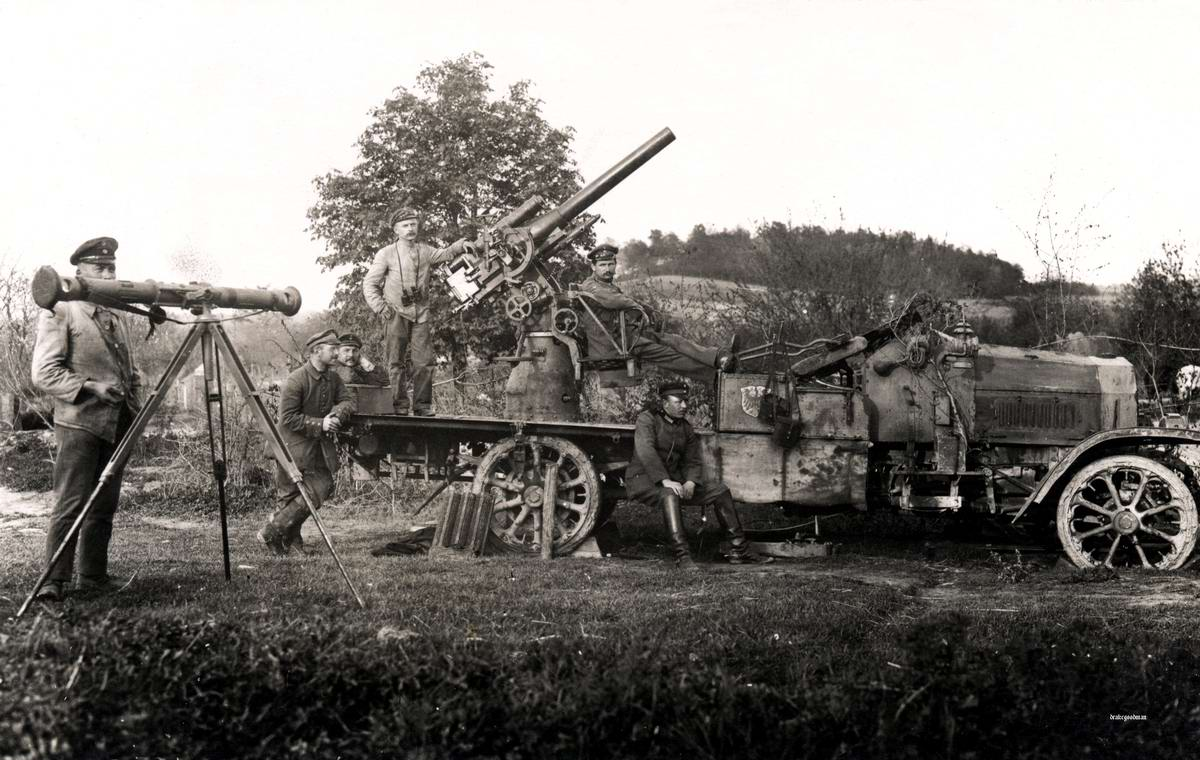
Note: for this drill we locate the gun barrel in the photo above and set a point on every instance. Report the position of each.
(593, 191)
(49, 288)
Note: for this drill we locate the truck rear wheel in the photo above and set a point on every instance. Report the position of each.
(1127, 511)
(514, 472)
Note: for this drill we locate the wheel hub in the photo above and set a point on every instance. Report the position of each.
(1126, 522)
(533, 495)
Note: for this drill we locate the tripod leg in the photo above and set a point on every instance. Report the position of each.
(121, 454)
(282, 456)
(212, 392)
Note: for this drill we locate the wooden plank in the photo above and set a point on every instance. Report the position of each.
(549, 504)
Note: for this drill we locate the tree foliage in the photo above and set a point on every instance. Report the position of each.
(1161, 309)
(461, 155)
(820, 256)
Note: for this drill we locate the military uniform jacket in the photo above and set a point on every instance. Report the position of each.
(404, 265)
(307, 396)
(77, 342)
(611, 302)
(663, 449)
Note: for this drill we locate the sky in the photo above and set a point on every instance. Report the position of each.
(192, 131)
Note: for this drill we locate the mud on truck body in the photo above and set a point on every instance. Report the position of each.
(906, 417)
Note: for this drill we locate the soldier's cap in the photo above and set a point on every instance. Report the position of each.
(672, 388)
(604, 252)
(350, 339)
(401, 214)
(96, 249)
(320, 339)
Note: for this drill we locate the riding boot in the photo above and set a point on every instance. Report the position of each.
(673, 519)
(740, 552)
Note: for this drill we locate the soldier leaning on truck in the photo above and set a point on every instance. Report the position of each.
(666, 470)
(673, 353)
(356, 369)
(397, 288)
(313, 405)
(81, 358)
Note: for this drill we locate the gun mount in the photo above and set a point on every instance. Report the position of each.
(508, 260)
(509, 254)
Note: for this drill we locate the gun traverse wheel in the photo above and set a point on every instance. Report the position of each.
(513, 471)
(566, 321)
(1127, 511)
(518, 307)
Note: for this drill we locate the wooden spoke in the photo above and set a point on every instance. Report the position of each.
(1095, 531)
(1112, 550)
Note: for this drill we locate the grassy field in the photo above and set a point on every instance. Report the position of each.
(897, 646)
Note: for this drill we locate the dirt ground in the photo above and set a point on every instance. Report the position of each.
(944, 574)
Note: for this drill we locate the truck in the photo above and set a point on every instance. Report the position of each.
(914, 415)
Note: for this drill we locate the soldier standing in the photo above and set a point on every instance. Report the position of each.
(313, 405)
(81, 358)
(666, 470)
(673, 353)
(397, 288)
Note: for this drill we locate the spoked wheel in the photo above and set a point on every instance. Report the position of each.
(514, 472)
(1127, 511)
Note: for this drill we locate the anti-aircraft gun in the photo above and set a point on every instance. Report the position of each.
(509, 262)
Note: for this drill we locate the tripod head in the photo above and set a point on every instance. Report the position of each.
(49, 288)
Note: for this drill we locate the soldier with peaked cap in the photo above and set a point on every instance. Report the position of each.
(673, 353)
(82, 358)
(397, 288)
(666, 470)
(313, 405)
(356, 369)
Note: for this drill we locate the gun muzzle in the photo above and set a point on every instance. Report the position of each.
(49, 288)
(579, 202)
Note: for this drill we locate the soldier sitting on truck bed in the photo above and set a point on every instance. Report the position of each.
(673, 353)
(666, 470)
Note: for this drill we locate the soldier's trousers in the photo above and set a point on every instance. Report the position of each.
(676, 354)
(706, 494)
(80, 459)
(405, 336)
(292, 510)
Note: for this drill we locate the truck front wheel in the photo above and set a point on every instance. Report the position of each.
(1127, 511)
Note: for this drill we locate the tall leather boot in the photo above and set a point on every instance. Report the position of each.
(673, 519)
(740, 552)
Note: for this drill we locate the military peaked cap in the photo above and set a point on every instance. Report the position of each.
(401, 214)
(350, 339)
(96, 249)
(604, 252)
(672, 388)
(320, 339)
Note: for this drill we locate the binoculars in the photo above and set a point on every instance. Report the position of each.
(412, 296)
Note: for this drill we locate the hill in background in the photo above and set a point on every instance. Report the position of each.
(826, 258)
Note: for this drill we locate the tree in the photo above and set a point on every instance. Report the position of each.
(462, 156)
(18, 326)
(1160, 310)
(1059, 304)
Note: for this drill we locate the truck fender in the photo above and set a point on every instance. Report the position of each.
(1097, 446)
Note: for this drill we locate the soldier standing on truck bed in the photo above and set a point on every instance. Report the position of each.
(397, 289)
(673, 353)
(666, 470)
